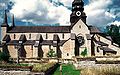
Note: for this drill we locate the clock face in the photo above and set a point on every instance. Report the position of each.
(78, 13)
(81, 40)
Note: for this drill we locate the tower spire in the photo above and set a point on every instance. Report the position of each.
(5, 18)
(5, 22)
(13, 21)
(78, 5)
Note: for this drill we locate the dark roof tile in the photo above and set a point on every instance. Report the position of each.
(22, 38)
(94, 30)
(40, 29)
(100, 42)
(7, 38)
(29, 42)
(13, 42)
(106, 49)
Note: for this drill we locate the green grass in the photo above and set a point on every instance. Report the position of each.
(67, 69)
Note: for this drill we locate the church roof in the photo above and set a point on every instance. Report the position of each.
(13, 42)
(106, 49)
(100, 42)
(40, 29)
(94, 30)
(22, 38)
(6, 38)
(29, 42)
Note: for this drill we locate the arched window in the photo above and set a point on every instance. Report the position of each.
(31, 47)
(14, 36)
(29, 36)
(46, 36)
(63, 36)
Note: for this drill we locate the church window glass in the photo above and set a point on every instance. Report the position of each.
(29, 36)
(63, 35)
(14, 36)
(46, 36)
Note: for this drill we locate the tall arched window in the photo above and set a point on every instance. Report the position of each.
(46, 36)
(14, 36)
(29, 36)
(63, 36)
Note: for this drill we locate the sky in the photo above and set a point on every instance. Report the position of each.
(99, 13)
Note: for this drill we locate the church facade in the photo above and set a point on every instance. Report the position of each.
(66, 41)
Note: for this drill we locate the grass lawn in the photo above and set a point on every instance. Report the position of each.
(67, 69)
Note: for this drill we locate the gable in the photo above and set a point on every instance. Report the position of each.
(80, 28)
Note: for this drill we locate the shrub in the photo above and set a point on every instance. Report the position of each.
(4, 57)
(84, 53)
(51, 53)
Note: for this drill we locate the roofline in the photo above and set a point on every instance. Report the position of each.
(69, 30)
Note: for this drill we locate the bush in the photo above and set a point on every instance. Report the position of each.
(84, 53)
(51, 53)
(4, 57)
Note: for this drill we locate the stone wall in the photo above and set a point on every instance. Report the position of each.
(3, 32)
(66, 51)
(29, 51)
(45, 49)
(14, 72)
(12, 51)
(93, 62)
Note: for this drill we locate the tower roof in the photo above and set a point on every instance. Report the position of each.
(78, 2)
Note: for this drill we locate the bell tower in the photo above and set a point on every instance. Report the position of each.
(77, 11)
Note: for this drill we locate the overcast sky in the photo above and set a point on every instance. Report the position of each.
(36, 12)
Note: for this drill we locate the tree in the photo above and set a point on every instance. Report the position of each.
(84, 53)
(4, 57)
(114, 32)
(51, 53)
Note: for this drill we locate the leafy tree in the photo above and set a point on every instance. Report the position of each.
(84, 53)
(4, 57)
(51, 53)
(114, 32)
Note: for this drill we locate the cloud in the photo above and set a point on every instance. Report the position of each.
(97, 12)
(40, 12)
(66, 2)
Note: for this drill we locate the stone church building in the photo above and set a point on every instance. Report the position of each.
(66, 41)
